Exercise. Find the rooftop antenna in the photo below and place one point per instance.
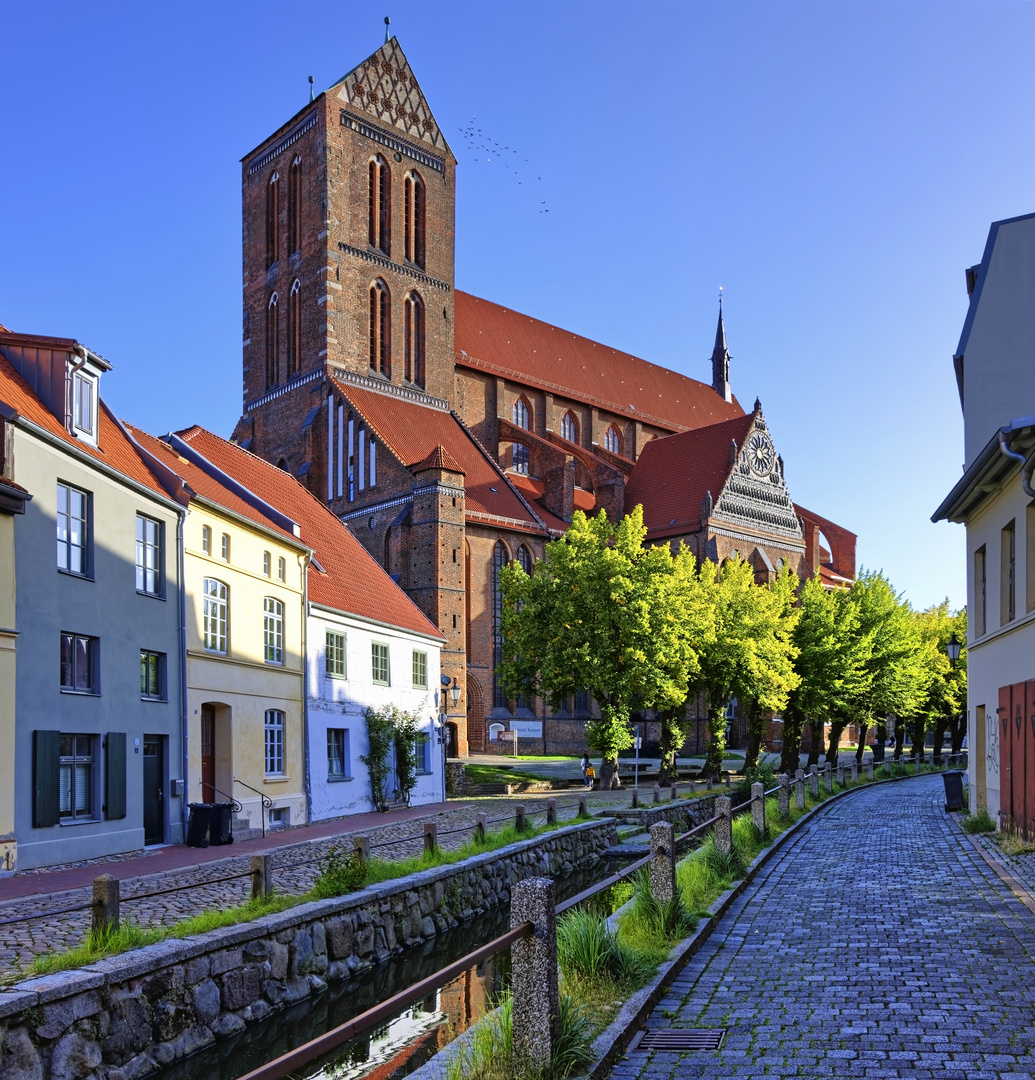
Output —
(312, 95)
(388, 23)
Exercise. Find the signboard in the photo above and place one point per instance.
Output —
(527, 729)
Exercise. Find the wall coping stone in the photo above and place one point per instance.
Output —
(60, 984)
(15, 1001)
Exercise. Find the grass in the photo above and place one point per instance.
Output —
(978, 822)
(492, 774)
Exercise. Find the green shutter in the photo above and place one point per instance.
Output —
(46, 753)
(115, 776)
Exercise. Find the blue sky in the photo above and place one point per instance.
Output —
(834, 166)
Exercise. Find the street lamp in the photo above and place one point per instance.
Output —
(953, 649)
(454, 692)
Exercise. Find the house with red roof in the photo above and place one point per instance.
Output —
(453, 434)
(92, 709)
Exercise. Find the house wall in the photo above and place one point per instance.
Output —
(108, 607)
(8, 680)
(342, 703)
(241, 685)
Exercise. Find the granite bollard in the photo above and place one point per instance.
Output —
(536, 1003)
(663, 867)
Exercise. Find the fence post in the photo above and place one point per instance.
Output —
(840, 775)
(799, 789)
(551, 811)
(918, 758)
(657, 793)
(663, 868)
(519, 817)
(361, 848)
(869, 769)
(674, 790)
(708, 782)
(536, 1015)
(635, 798)
(106, 904)
(814, 781)
(784, 796)
(828, 778)
(430, 837)
(480, 821)
(758, 806)
(727, 776)
(724, 826)
(855, 771)
(262, 884)
(583, 806)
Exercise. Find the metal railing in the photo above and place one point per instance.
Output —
(267, 803)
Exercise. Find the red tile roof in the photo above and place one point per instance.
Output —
(532, 489)
(495, 339)
(352, 582)
(439, 458)
(412, 432)
(113, 448)
(673, 474)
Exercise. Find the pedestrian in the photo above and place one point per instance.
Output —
(588, 772)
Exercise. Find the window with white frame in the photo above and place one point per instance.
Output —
(149, 556)
(380, 669)
(420, 670)
(214, 615)
(73, 530)
(152, 675)
(224, 547)
(569, 427)
(338, 764)
(76, 777)
(84, 405)
(274, 742)
(267, 563)
(281, 569)
(273, 630)
(206, 539)
(80, 667)
(334, 658)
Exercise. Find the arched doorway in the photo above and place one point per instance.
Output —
(475, 716)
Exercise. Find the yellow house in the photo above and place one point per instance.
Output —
(245, 574)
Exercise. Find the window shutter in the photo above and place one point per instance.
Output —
(46, 765)
(115, 776)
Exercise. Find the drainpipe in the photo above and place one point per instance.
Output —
(1027, 464)
(305, 691)
(184, 718)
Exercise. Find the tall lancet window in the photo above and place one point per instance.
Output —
(272, 220)
(414, 217)
(379, 205)
(294, 207)
(272, 343)
(569, 427)
(380, 329)
(294, 330)
(415, 339)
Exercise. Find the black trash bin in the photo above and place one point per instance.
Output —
(198, 824)
(878, 752)
(221, 830)
(953, 790)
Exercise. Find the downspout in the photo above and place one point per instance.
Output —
(184, 719)
(1027, 464)
(305, 690)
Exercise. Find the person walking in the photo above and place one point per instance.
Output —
(588, 772)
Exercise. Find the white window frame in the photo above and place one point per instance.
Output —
(149, 556)
(331, 655)
(215, 616)
(274, 741)
(84, 406)
(206, 539)
(272, 630)
(375, 665)
(345, 752)
(66, 522)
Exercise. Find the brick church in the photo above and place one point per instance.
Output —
(452, 434)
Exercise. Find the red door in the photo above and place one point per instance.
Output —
(1017, 752)
(1005, 729)
(208, 753)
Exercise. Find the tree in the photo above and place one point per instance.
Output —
(945, 700)
(603, 613)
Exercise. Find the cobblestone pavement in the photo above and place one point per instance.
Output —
(875, 944)
(199, 888)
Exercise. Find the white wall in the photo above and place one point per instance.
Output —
(342, 703)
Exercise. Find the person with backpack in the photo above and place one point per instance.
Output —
(588, 772)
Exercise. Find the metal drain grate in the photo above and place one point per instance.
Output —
(676, 1040)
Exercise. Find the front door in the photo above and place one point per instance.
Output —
(154, 790)
(208, 753)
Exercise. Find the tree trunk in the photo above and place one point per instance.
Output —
(837, 728)
(790, 755)
(918, 737)
(756, 725)
(938, 735)
(816, 736)
(609, 774)
(673, 735)
(957, 731)
(861, 748)
(900, 738)
(716, 743)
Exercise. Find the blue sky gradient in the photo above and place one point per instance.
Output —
(834, 166)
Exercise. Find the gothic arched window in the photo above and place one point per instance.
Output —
(272, 214)
(294, 206)
(522, 414)
(500, 559)
(380, 329)
(294, 330)
(414, 215)
(613, 440)
(414, 315)
(379, 205)
(272, 343)
(525, 559)
(569, 427)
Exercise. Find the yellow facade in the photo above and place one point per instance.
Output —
(8, 669)
(246, 737)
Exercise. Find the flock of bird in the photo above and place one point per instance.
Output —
(481, 144)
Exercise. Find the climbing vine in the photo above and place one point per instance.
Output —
(390, 728)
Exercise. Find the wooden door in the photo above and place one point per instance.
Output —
(208, 753)
(1005, 742)
(981, 756)
(1017, 751)
(154, 790)
(1028, 724)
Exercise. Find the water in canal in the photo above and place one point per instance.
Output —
(404, 1042)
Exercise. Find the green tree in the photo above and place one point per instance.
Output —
(944, 703)
(601, 612)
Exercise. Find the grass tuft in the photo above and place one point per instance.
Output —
(978, 822)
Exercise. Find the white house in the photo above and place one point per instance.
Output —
(995, 499)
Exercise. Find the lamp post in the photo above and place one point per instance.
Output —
(953, 649)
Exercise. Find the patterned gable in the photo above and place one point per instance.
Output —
(385, 88)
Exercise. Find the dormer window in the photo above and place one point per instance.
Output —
(84, 405)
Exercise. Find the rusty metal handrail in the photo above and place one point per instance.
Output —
(50, 914)
(186, 885)
(331, 1040)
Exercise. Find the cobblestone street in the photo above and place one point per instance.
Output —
(877, 943)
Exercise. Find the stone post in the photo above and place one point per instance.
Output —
(724, 826)
(674, 790)
(814, 781)
(784, 796)
(262, 884)
(551, 811)
(481, 820)
(430, 837)
(105, 904)
(828, 778)
(361, 848)
(583, 806)
(519, 818)
(536, 1015)
(840, 775)
(917, 761)
(758, 807)
(869, 769)
(635, 798)
(663, 868)
(727, 778)
(799, 789)
(708, 782)
(855, 771)
(657, 793)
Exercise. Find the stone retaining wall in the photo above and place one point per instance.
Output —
(685, 813)
(121, 1018)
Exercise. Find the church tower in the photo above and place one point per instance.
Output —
(348, 257)
(721, 362)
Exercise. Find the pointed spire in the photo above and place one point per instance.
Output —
(721, 360)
